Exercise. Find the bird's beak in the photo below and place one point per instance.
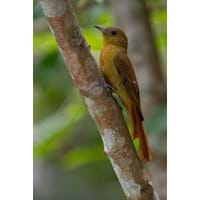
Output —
(100, 28)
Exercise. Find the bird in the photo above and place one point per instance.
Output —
(119, 74)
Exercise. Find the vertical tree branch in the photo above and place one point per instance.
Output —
(101, 105)
(132, 17)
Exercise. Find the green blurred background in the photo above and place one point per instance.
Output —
(69, 162)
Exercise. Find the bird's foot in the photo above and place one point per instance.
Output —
(106, 85)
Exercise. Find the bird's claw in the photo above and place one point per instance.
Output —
(106, 85)
(110, 89)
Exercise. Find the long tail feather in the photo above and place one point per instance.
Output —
(138, 132)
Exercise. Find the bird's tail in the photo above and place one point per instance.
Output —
(138, 132)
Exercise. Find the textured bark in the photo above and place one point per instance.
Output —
(132, 17)
(101, 105)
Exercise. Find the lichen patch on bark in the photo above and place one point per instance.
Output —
(89, 102)
(95, 88)
(130, 187)
(95, 111)
(112, 140)
(53, 8)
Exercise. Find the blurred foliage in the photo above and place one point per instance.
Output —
(64, 133)
(83, 155)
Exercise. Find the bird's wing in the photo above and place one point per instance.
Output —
(127, 73)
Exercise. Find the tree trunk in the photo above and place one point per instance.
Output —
(132, 17)
(106, 113)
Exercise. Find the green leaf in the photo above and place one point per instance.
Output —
(82, 156)
(49, 133)
(93, 38)
(43, 43)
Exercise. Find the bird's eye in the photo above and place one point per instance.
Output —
(113, 32)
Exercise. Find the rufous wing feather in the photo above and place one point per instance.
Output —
(126, 72)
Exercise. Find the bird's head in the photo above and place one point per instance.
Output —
(114, 36)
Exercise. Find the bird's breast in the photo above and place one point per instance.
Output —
(110, 72)
(107, 65)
